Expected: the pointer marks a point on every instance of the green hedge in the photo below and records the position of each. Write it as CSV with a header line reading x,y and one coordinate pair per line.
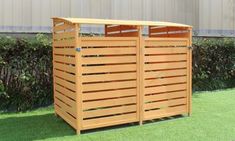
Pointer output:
x,y
26,69
213,63
25,72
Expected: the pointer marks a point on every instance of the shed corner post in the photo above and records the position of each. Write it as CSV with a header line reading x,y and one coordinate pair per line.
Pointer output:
x,y
53,34
190,73
140,65
78,75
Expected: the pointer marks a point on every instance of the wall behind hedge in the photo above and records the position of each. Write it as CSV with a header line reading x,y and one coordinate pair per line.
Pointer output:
x,y
26,69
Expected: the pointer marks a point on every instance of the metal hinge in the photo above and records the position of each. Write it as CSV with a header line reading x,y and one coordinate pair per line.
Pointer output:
x,y
78,49
190,47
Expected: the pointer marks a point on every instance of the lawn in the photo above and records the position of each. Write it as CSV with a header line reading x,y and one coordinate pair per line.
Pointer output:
x,y
213,119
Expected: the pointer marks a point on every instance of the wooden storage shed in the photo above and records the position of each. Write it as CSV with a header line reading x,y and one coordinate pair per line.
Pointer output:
x,y
122,76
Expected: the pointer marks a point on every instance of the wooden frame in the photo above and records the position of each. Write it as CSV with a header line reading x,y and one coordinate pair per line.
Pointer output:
x,y
122,77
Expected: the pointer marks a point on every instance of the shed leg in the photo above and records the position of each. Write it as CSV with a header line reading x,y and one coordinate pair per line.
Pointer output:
x,y
78,131
140,122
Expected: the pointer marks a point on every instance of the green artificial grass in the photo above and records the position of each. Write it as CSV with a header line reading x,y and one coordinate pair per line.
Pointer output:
x,y
213,119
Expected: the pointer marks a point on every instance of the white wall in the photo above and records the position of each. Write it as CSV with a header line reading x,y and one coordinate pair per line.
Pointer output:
x,y
209,17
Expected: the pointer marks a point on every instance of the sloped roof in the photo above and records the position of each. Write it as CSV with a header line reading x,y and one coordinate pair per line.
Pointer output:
x,y
120,22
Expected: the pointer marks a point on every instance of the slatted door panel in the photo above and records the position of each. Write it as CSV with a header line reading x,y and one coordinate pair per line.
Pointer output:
x,y
165,77
64,71
109,81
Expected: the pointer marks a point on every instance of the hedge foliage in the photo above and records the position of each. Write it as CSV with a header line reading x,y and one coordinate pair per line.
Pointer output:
x,y
25,72
26,69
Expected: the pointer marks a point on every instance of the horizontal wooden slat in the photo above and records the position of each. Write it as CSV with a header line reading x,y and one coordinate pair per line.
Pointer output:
x,y
64,106
168,50
109,77
67,100
165,73
109,111
109,60
108,41
62,27
166,103
109,85
64,51
64,35
108,121
68,118
65,91
108,51
109,68
64,67
64,43
159,66
108,94
165,43
160,89
109,102
167,29
65,75
163,81
65,83
64,59
165,58
129,34
171,111
167,95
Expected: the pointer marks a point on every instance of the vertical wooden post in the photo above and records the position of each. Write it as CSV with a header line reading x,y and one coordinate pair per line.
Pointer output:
x,y
78,75
53,70
190,73
140,76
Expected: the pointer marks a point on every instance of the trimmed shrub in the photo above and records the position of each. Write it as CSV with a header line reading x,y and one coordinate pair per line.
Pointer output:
x,y
213,63
25,72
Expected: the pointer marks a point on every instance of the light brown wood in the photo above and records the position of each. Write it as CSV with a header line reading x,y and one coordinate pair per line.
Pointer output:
x,y
166,95
162,66
108,51
108,121
109,102
164,81
64,67
64,75
170,50
64,51
107,60
110,111
165,73
165,58
160,89
106,94
65,91
65,83
64,59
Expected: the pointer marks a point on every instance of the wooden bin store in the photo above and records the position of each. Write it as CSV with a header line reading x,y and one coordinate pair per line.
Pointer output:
x,y
122,76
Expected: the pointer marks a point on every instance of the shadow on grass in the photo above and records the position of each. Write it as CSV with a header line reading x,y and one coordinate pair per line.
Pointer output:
x,y
34,127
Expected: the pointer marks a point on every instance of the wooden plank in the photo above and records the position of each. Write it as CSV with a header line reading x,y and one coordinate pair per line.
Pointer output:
x,y
65,91
107,41
167,29
69,119
109,121
64,51
64,35
62,27
109,77
113,28
109,111
64,59
165,58
168,50
108,94
167,95
64,67
64,75
160,66
108,51
64,106
165,73
64,43
163,81
109,60
65,83
161,43
66,99
161,89
109,85
109,102
171,111
109,68
129,34
164,104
